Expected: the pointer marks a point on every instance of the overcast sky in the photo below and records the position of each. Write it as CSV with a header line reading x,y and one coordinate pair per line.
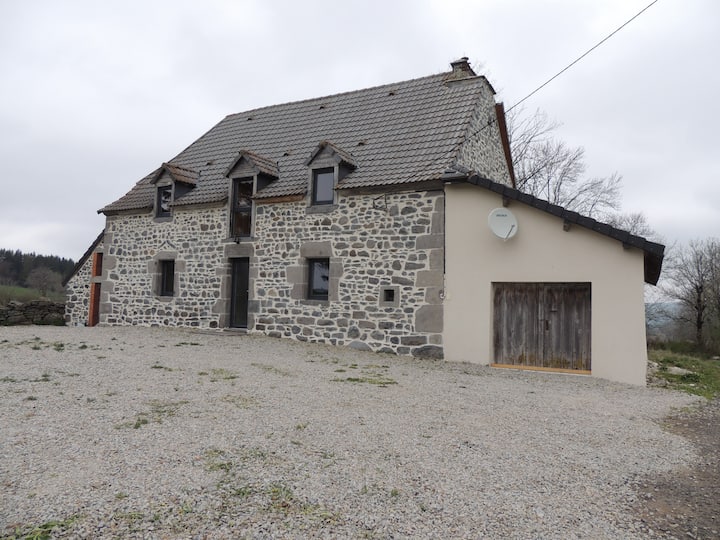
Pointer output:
x,y
95,95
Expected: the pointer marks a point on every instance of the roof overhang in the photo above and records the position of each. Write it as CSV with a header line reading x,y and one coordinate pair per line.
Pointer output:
x,y
653,252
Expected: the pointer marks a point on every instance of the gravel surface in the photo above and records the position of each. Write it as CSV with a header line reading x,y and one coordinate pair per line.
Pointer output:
x,y
684,503
157,433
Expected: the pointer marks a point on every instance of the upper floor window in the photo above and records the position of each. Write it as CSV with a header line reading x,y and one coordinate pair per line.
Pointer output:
x,y
323,186
164,198
241,217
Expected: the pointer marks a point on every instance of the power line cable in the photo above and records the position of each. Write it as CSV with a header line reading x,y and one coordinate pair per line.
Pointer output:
x,y
491,121
591,49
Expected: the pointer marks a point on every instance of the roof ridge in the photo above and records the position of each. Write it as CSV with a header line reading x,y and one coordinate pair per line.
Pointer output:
x,y
347,93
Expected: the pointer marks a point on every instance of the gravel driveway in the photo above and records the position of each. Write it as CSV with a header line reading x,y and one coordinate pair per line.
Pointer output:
x,y
157,433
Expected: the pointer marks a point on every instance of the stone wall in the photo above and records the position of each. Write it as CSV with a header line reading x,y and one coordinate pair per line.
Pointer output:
x,y
77,294
374,243
392,241
482,149
134,247
33,312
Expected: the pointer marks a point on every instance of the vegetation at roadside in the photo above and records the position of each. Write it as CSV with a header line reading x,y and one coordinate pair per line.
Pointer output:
x,y
703,369
44,531
21,294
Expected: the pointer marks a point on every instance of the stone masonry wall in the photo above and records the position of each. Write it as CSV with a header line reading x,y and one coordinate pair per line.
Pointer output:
x,y
482,149
77,294
33,312
134,245
394,241
373,242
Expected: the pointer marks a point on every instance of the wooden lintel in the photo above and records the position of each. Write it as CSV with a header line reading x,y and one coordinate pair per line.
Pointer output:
x,y
282,199
539,368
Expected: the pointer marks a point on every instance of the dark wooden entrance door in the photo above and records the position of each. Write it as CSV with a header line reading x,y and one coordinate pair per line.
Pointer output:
x,y
543,325
239,292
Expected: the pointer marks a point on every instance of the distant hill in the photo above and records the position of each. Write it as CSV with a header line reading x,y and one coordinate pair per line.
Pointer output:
x,y
15,266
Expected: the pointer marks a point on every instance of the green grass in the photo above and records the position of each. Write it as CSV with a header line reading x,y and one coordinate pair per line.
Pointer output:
x,y
9,293
47,530
704,379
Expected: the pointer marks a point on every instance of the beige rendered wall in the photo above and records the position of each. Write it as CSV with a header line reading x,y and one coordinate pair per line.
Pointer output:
x,y
541,251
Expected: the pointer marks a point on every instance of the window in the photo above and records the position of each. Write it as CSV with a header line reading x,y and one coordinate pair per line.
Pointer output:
x,y
318,279
323,188
164,198
167,278
389,296
97,264
241,220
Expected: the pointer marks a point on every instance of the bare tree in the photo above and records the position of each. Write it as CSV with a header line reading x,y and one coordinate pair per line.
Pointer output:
x,y
694,281
44,280
550,169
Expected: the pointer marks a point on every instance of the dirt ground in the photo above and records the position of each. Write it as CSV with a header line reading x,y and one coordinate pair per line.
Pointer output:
x,y
686,504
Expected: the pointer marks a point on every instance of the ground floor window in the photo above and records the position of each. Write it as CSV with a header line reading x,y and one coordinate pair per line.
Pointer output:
x,y
167,278
318,279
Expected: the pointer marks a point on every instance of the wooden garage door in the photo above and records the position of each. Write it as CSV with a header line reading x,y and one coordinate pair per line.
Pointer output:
x,y
542,325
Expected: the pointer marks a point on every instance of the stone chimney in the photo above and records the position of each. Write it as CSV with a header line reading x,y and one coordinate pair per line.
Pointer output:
x,y
461,70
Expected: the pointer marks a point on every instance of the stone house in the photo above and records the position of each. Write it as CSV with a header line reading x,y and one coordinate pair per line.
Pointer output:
x,y
360,220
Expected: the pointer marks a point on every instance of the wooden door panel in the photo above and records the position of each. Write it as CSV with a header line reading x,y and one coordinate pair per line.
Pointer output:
x,y
566,325
542,325
516,324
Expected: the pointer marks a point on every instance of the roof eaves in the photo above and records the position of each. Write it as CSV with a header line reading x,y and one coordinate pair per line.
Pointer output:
x,y
345,156
653,252
84,257
262,163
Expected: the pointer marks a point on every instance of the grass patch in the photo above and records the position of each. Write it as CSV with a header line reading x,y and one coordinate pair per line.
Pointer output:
x,y
216,461
281,496
241,402
222,374
271,369
158,411
377,379
47,530
159,366
704,379
10,293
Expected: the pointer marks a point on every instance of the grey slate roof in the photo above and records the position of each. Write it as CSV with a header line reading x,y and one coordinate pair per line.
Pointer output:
x,y
178,173
264,165
653,252
397,133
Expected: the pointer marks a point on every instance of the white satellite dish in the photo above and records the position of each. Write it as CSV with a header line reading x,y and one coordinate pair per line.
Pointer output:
x,y
503,223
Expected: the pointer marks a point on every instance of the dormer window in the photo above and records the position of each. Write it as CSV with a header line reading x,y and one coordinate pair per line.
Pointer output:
x,y
248,173
172,181
328,165
164,198
323,188
241,219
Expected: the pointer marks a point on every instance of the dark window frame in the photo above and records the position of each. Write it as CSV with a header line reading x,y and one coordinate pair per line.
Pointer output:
x,y
316,174
159,211
166,283
237,210
313,269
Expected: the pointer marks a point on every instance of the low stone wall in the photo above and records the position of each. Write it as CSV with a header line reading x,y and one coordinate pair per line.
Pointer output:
x,y
33,312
